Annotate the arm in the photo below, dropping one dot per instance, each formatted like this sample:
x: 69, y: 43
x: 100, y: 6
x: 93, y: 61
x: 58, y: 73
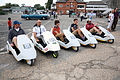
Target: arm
x: 35, y: 36
x: 23, y: 32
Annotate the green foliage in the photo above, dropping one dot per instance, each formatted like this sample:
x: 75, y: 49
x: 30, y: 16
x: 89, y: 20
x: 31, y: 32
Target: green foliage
x: 48, y: 5
x: 39, y: 7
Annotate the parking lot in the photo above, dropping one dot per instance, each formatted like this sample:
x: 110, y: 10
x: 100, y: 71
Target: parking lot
x: 102, y: 63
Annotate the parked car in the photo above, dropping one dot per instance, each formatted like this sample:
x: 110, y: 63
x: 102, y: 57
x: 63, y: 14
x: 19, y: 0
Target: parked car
x: 35, y: 15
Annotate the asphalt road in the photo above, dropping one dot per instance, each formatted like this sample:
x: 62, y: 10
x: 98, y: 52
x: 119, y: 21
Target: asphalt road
x: 102, y: 63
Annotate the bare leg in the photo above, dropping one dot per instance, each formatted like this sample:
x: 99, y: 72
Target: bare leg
x: 97, y: 30
x: 79, y: 32
x: 109, y: 29
x: 15, y: 41
x: 60, y: 36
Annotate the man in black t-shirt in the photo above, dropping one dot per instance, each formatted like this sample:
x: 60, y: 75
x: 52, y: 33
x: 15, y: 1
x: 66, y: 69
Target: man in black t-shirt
x: 75, y: 29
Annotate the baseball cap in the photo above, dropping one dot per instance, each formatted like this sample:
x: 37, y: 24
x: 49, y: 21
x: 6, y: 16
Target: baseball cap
x: 16, y: 22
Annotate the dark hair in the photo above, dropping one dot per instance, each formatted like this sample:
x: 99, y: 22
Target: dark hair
x: 56, y: 22
x: 35, y: 25
x: 75, y: 19
x: 9, y: 18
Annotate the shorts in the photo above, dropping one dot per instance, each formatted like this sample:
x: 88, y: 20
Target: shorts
x: 110, y: 24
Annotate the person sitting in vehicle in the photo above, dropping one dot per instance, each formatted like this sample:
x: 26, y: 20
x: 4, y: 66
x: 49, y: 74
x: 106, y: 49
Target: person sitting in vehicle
x: 13, y: 33
x: 93, y: 28
x: 56, y: 31
x: 75, y: 29
x: 38, y: 29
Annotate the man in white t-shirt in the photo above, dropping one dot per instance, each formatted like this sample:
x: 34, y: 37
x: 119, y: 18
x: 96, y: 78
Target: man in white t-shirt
x: 38, y: 29
x: 110, y: 20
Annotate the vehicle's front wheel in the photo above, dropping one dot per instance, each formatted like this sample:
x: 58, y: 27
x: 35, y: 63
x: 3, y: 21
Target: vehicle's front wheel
x: 93, y: 46
x: 30, y: 62
x: 76, y: 49
x: 111, y: 41
x: 55, y: 54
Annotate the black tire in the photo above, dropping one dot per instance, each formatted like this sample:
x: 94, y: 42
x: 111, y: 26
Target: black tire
x: 94, y: 46
x: 111, y: 41
x: 55, y: 54
x: 43, y: 18
x: 32, y: 62
x: 27, y: 18
x: 76, y: 49
x: 9, y: 52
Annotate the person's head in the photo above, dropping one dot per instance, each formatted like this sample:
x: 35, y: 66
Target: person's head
x: 38, y: 22
x: 75, y: 21
x: 57, y: 22
x: 113, y: 11
x: 88, y: 21
x: 116, y: 9
x: 16, y: 24
x: 9, y: 18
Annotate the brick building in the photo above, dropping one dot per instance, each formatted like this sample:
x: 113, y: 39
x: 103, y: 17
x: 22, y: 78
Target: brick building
x: 64, y: 6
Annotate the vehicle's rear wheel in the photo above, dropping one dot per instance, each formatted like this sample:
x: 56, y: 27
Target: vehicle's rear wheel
x: 76, y: 49
x: 55, y: 54
x: 27, y: 18
x: 111, y: 41
x: 93, y: 46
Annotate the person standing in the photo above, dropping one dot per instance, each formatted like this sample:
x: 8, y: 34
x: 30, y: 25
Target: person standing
x: 9, y: 23
x: 82, y: 16
x: 116, y: 16
x: 110, y: 20
x: 91, y: 15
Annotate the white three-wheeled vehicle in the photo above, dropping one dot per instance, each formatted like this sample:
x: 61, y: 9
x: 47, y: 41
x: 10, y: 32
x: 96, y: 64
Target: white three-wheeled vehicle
x: 26, y: 48
x: 108, y: 36
x: 70, y: 41
x: 51, y: 44
x: 89, y: 40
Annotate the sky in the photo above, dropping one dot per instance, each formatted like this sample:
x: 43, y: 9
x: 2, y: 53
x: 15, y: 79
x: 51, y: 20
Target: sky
x: 29, y: 2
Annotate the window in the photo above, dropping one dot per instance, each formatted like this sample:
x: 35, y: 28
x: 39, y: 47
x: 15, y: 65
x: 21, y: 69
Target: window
x: 61, y: 12
x: 80, y: 6
x: 67, y: 6
x: 61, y: 5
x: 72, y: 5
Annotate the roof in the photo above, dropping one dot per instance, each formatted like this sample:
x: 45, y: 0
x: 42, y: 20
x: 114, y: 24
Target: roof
x: 66, y: 0
x: 96, y: 3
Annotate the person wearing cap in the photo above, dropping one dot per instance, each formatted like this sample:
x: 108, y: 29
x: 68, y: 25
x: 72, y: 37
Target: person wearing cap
x: 14, y: 32
x: 93, y: 28
x: 75, y: 29
x: 38, y: 29
x: 9, y: 23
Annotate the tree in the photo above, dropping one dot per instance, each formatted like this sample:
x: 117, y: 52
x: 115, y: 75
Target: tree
x: 38, y: 7
x: 48, y: 5
x: 9, y: 5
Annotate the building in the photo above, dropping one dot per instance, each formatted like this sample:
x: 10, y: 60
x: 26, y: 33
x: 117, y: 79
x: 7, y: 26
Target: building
x: 64, y: 6
x: 22, y: 9
x: 112, y: 3
x: 96, y: 6
x: 53, y: 6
